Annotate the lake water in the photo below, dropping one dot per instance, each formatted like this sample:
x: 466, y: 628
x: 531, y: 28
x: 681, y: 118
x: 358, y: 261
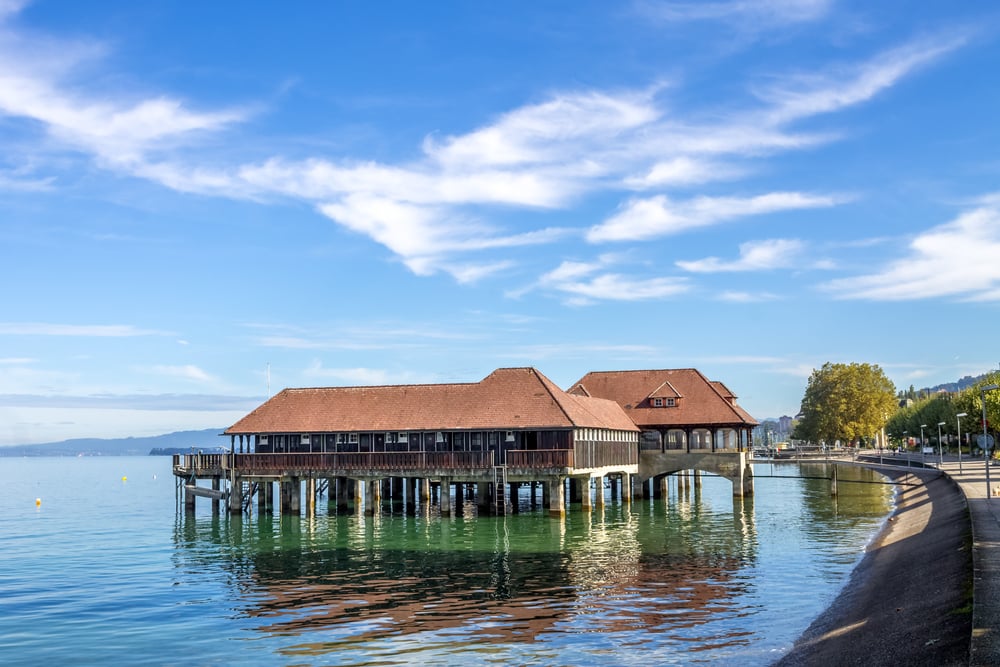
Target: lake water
x: 105, y: 570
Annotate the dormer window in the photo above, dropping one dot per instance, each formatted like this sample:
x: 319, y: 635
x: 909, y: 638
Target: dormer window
x: 670, y: 402
x: 663, y: 402
x: 657, y: 402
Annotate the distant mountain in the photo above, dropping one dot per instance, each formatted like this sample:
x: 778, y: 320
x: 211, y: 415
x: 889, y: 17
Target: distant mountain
x: 180, y: 441
x: 952, y: 387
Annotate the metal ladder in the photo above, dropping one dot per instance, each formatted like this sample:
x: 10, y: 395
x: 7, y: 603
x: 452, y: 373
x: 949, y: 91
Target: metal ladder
x: 500, y: 489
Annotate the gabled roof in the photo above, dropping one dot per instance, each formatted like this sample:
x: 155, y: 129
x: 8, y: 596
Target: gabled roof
x: 704, y: 403
x: 507, y: 399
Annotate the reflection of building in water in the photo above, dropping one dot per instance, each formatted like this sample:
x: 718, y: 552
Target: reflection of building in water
x: 361, y: 579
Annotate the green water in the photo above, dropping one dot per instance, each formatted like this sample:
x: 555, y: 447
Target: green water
x: 106, y: 570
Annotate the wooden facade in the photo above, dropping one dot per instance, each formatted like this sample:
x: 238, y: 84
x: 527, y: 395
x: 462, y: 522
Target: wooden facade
x: 514, y: 426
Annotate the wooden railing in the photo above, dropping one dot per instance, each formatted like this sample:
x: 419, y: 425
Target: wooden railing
x: 346, y: 462
x: 390, y: 462
x: 540, y: 458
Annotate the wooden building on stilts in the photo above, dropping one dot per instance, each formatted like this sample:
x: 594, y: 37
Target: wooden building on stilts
x: 422, y: 444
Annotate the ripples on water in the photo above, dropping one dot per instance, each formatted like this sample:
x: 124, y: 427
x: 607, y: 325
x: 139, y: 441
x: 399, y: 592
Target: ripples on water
x: 106, y: 570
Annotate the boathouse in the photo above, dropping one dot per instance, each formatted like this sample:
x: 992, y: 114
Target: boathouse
x: 688, y: 424
x: 677, y: 409
x: 514, y: 426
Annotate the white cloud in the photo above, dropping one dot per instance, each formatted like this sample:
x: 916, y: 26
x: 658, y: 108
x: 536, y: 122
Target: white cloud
x: 433, y: 212
x: 810, y: 95
x: 577, y: 280
x: 660, y: 216
x: 747, y: 297
x: 94, y: 330
x: 957, y: 259
x: 754, y: 256
x: 758, y: 14
x: 682, y: 170
x: 185, y: 372
x: 356, y: 376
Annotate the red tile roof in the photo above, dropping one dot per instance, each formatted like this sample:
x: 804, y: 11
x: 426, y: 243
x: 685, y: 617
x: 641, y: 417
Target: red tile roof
x: 699, y: 401
x: 507, y: 399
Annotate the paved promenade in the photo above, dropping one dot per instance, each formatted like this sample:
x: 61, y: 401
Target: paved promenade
x: 985, y: 514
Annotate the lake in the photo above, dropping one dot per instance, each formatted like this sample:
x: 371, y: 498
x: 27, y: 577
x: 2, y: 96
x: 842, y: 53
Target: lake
x: 98, y: 566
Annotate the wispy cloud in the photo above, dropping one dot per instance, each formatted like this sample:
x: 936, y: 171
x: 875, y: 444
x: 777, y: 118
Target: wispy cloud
x: 83, y: 330
x: 437, y: 210
x: 735, y: 296
x: 957, y: 259
x: 754, y: 256
x: 357, y: 376
x: 660, y: 216
x: 185, y: 372
x: 759, y: 14
x: 589, y: 282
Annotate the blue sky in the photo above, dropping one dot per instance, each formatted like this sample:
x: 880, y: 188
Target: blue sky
x: 196, y: 197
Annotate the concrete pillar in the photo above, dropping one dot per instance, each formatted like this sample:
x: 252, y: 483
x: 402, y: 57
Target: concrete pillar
x: 583, y: 484
x: 343, y: 490
x: 235, y: 497
x: 425, y: 492
x: 310, y: 496
x: 665, y: 487
x: 295, y: 499
x: 411, y: 495
x: 372, y: 487
x: 445, y: 496
x: 557, y: 503
x: 216, y: 484
x: 513, y: 490
x: 627, y: 490
x: 360, y: 491
x: 599, y: 491
x: 697, y: 478
x: 188, y: 500
x: 483, y: 500
x: 263, y: 489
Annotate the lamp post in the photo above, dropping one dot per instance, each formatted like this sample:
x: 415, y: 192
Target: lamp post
x: 958, y: 420
x: 922, y: 427
x: 940, y: 455
x: 986, y: 443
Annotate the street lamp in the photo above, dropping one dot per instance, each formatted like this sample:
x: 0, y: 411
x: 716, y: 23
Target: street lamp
x: 986, y: 443
x: 922, y: 427
x: 958, y: 419
x: 940, y: 455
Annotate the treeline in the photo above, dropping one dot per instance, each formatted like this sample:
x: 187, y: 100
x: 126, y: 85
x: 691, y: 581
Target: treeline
x: 857, y: 404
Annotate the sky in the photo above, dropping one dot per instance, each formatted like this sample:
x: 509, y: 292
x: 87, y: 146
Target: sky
x: 204, y: 203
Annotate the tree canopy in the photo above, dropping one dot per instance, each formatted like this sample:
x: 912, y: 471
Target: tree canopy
x: 845, y: 402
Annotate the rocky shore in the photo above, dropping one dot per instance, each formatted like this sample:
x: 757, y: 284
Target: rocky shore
x: 909, y: 601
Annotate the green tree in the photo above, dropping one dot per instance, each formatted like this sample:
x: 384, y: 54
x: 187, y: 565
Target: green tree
x: 845, y: 402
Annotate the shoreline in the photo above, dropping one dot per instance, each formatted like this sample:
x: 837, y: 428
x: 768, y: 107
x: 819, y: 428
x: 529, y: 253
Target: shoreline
x: 909, y: 600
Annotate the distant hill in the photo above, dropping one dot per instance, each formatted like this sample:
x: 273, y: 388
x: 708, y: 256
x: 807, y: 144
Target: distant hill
x: 178, y: 442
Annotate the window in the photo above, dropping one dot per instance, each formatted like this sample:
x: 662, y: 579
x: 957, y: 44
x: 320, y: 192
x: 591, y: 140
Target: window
x: 510, y: 436
x: 670, y: 402
x: 402, y: 437
x: 657, y: 402
x: 352, y: 438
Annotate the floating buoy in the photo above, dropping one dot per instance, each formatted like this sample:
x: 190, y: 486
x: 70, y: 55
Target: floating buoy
x: 38, y: 502
x: 124, y: 478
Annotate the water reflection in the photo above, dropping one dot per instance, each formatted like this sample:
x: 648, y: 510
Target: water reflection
x: 685, y: 569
